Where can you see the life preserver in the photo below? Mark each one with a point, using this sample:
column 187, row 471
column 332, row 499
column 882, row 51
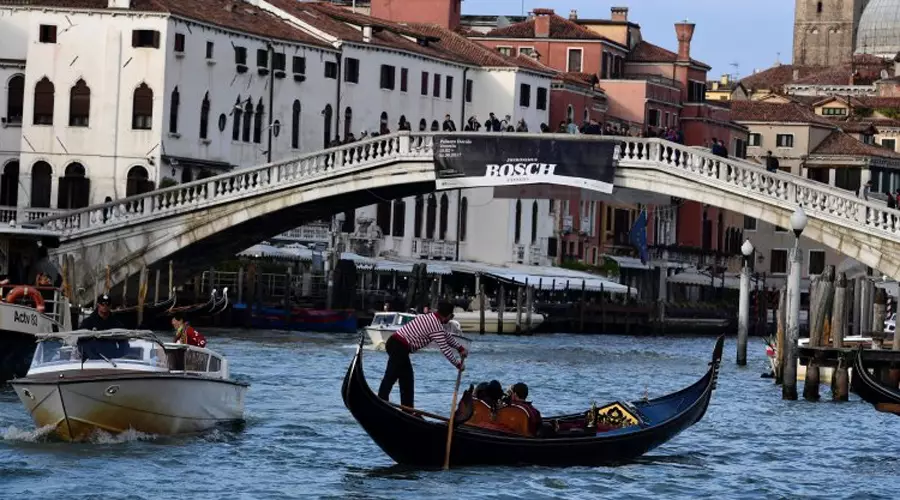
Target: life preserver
column 22, row 291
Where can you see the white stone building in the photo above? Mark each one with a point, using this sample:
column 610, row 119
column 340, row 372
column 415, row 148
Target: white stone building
column 113, row 97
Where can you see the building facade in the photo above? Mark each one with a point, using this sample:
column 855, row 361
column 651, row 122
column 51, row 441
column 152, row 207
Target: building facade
column 825, row 31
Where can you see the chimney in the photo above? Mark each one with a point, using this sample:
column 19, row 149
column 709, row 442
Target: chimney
column 619, row 14
column 367, row 33
column 897, row 65
column 724, row 79
column 573, row 15
column 685, row 32
column 118, row 4
column 542, row 22
column 795, row 75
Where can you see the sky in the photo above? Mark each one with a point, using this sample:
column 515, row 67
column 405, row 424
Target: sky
column 754, row 34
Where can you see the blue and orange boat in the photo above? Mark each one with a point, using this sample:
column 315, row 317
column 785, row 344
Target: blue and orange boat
column 302, row 319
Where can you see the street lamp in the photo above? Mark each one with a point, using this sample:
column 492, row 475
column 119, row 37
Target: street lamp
column 744, row 304
column 789, row 359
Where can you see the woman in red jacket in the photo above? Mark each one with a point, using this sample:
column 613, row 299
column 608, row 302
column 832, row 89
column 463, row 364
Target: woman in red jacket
column 185, row 334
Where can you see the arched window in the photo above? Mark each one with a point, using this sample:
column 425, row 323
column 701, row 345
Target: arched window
column 349, row 225
column 247, row 126
column 418, row 216
column 43, row 102
column 383, row 216
column 463, row 218
column 204, row 117
column 142, row 108
column 430, row 215
column 398, row 228
column 258, row 122
column 295, row 125
column 138, row 181
column 174, row 106
column 518, row 221
column 534, row 222
column 383, row 123
column 74, row 188
column 348, row 122
column 41, row 182
column 9, row 184
column 819, row 8
column 587, row 115
column 238, row 112
column 570, row 113
column 326, row 118
column 187, row 175
column 15, row 99
column 435, row 126
column 79, row 105
column 445, row 215
column 423, row 125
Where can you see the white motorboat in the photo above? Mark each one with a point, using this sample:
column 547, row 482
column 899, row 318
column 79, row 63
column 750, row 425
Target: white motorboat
column 384, row 324
column 825, row 372
column 84, row 381
column 470, row 321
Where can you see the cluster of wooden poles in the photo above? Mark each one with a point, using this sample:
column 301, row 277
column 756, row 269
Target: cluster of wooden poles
column 524, row 298
column 829, row 310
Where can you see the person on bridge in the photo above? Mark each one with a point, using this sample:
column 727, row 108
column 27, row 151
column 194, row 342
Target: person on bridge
column 101, row 318
column 415, row 335
column 771, row 163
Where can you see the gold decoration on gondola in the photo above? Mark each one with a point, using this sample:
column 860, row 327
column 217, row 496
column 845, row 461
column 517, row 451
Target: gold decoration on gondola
column 616, row 415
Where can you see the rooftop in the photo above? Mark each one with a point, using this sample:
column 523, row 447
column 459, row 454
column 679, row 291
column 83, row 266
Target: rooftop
column 648, row 52
column 756, row 111
column 840, row 143
column 560, row 29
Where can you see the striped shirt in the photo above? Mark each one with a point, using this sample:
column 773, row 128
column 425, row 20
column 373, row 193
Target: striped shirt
column 425, row 329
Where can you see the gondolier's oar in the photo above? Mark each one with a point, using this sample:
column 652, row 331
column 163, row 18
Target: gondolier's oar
column 452, row 417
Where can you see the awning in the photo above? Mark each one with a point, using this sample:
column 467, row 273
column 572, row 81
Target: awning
column 181, row 161
column 544, row 278
column 301, row 253
column 627, row 262
column 732, row 281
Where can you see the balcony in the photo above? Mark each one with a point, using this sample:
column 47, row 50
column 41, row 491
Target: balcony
column 433, row 250
column 535, row 255
column 661, row 80
column 9, row 214
column 518, row 254
column 311, row 233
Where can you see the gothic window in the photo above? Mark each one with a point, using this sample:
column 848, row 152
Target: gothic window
column 348, row 121
column 295, row 125
column 79, row 105
column 175, row 104
column 435, row 126
column 74, row 188
column 142, row 108
column 430, row 215
column 445, row 209
column 418, row 216
column 423, row 125
column 258, row 122
column 326, row 118
column 15, row 99
column 819, row 8
column 534, row 222
column 9, row 184
column 41, row 181
column 238, row 112
column 204, row 117
column 138, row 181
column 248, row 120
column 398, row 228
column 43, row 102
column 463, row 218
column 518, row 220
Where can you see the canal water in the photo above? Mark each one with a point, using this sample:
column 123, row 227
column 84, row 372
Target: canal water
column 300, row 442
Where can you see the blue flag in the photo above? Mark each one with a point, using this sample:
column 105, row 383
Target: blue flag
column 638, row 236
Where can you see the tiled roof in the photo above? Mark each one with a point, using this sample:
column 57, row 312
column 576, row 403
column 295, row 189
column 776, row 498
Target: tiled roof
column 855, row 127
column 840, row 143
column 756, row 111
column 560, row 28
column 777, row 77
column 648, row 52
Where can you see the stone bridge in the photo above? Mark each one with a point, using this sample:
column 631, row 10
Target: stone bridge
column 201, row 221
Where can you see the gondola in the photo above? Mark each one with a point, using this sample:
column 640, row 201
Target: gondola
column 194, row 308
column 128, row 315
column 413, row 441
column 221, row 304
column 867, row 387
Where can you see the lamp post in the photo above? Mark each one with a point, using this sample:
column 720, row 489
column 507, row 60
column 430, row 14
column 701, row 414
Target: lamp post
column 744, row 304
column 789, row 358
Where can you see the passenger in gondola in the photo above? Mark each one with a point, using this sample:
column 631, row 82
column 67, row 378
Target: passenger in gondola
column 518, row 396
column 490, row 392
column 185, row 333
column 411, row 337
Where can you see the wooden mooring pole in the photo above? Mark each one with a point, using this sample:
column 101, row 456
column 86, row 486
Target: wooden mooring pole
column 156, row 286
column 501, row 305
column 171, row 279
column 484, row 305
column 840, row 381
column 582, row 305
column 529, row 305
column 520, row 298
column 819, row 312
column 780, row 327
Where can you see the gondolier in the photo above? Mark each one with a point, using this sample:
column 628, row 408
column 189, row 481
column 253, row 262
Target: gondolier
column 411, row 337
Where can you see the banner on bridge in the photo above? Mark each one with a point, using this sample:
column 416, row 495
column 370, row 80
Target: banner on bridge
column 507, row 160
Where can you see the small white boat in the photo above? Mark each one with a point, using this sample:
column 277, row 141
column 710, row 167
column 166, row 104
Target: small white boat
column 470, row 321
column 83, row 381
column 384, row 324
column 825, row 373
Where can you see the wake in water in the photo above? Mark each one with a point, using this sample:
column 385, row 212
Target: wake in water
column 13, row 433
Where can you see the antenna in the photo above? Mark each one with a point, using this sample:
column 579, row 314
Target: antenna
column 736, row 65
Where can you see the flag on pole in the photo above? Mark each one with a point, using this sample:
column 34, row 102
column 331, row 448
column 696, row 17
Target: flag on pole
column 638, row 236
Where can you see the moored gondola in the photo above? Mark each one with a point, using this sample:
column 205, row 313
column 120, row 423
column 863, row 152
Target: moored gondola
column 129, row 315
column 867, row 387
column 411, row 440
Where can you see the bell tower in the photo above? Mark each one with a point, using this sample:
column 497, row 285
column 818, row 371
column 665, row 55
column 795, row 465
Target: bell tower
column 825, row 31
column 445, row 13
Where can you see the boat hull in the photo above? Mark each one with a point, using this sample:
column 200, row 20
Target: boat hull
column 470, row 321
column 378, row 336
column 18, row 327
column 304, row 320
column 76, row 406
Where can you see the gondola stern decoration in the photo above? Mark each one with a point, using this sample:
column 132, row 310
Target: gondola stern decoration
column 716, row 362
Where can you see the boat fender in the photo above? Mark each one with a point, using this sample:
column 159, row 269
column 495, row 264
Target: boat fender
column 23, row 291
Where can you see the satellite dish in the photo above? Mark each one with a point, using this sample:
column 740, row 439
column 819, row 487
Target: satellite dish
column 884, row 74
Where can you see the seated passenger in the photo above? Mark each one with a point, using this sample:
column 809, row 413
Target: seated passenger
column 491, row 393
column 185, row 333
column 518, row 396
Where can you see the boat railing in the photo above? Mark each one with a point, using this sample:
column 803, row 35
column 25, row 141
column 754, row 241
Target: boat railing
column 56, row 306
column 197, row 360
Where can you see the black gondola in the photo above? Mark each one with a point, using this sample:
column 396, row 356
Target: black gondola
column 128, row 315
column 867, row 387
column 410, row 440
column 207, row 306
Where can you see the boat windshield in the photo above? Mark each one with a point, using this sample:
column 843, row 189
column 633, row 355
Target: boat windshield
column 384, row 319
column 405, row 318
column 130, row 351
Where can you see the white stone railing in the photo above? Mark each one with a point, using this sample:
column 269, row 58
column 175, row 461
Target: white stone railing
column 241, row 184
column 739, row 176
column 780, row 188
column 9, row 214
